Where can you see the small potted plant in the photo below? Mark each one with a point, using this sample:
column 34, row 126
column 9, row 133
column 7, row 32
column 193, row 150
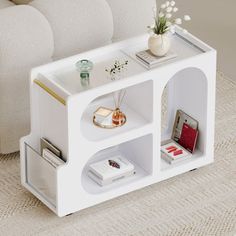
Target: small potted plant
column 159, row 42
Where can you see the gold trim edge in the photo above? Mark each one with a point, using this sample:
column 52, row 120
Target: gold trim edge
column 50, row 91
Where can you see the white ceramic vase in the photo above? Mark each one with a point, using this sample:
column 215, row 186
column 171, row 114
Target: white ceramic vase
column 159, row 44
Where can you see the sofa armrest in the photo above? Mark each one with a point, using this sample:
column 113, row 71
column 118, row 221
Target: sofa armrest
column 131, row 17
column 77, row 25
column 6, row 3
column 26, row 39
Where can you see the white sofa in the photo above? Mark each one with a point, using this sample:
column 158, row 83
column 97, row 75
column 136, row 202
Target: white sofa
column 46, row 30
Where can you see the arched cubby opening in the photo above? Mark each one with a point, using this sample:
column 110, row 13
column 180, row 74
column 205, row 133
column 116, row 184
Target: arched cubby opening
column 134, row 151
column 137, row 105
column 187, row 91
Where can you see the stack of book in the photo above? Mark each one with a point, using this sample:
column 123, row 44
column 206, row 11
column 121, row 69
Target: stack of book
column 183, row 141
column 110, row 170
column 149, row 60
column 173, row 153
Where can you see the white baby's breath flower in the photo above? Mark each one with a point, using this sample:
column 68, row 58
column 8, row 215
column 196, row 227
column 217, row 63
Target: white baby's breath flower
column 185, row 31
column 178, row 21
column 164, row 19
column 187, row 18
column 175, row 9
column 163, row 6
column 169, row 9
column 168, row 16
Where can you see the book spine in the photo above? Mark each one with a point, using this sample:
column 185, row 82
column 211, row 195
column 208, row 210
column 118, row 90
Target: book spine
column 52, row 158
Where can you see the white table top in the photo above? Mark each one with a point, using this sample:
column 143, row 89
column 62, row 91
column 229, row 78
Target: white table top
column 64, row 74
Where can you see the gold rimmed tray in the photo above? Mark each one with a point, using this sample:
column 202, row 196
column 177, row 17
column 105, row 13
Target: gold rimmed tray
column 108, row 126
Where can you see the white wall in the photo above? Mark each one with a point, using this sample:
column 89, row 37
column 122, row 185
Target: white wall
column 214, row 21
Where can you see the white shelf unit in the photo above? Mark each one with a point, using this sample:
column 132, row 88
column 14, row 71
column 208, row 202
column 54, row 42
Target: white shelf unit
column 134, row 151
column 61, row 110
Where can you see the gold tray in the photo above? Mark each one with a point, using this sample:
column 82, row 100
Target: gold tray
column 108, row 126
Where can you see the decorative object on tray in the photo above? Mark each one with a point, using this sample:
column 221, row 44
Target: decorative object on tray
column 118, row 118
column 115, row 72
column 84, row 67
column 159, row 42
column 105, row 117
column 110, row 170
column 183, row 141
column 149, row 60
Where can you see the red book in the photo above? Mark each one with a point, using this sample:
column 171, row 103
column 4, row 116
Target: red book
column 188, row 138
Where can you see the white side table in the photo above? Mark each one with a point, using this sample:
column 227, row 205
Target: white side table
column 62, row 110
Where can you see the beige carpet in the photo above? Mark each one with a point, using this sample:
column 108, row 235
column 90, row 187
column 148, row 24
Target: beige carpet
column 202, row 202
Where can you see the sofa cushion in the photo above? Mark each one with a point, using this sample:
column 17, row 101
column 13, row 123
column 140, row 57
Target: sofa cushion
column 131, row 17
column 77, row 25
column 5, row 3
column 21, row 1
column 26, row 38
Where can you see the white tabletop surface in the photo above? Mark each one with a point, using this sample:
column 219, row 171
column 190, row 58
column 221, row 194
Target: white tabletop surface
column 68, row 77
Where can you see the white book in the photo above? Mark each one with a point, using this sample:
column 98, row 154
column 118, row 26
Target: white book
column 109, row 181
column 110, row 170
column 150, row 60
column 52, row 158
column 171, row 161
column 168, row 155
